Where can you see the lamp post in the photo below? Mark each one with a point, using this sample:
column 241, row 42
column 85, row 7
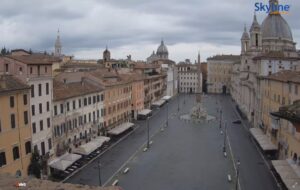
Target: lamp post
column 167, row 119
column 148, row 138
column 220, row 118
column 225, row 136
column 178, row 104
column 99, row 169
column 237, row 174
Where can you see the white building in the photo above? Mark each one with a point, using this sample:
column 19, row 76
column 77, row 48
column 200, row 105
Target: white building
column 268, row 49
column 77, row 111
column 190, row 77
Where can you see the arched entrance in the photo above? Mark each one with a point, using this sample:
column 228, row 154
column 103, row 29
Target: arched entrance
column 224, row 89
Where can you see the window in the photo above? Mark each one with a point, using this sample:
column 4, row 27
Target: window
column 48, row 106
column 30, row 70
column 33, row 128
column 28, row 147
column 98, row 98
column 55, row 110
column 41, row 108
column 16, row 154
column 25, row 99
column 12, row 101
column 61, row 108
column 94, row 99
column 25, row 117
column 32, row 91
column 12, row 121
column 41, row 125
column 6, row 67
column 33, row 110
column 90, row 100
column 102, row 97
column 90, row 117
column 40, row 89
column 46, row 69
column 74, row 105
column 79, row 103
column 68, row 106
column 48, row 122
column 2, row 159
column 47, row 87
column 49, row 144
column 85, row 101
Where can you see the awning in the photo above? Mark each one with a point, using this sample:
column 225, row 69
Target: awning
column 100, row 140
column 158, row 103
column 120, row 129
column 262, row 139
column 166, row 98
column 87, row 148
column 91, row 146
column 144, row 112
column 64, row 161
column 287, row 173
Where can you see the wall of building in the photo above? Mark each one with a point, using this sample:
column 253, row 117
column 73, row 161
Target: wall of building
column 117, row 104
column 137, row 97
column 17, row 137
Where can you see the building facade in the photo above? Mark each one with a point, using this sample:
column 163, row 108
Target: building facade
column 35, row 70
column 278, row 90
column 15, row 130
column 219, row 69
column 267, row 48
column 78, row 111
column 190, row 77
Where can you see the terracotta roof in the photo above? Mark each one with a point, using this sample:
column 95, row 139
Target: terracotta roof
column 66, row 90
column 35, row 59
column 285, row 76
column 8, row 182
column 225, row 57
column 9, row 83
column 107, row 77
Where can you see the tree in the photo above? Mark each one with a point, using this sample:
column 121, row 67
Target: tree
column 4, row 51
column 35, row 165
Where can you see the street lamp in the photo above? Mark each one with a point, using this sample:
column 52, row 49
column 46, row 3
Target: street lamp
column 225, row 135
column 148, row 138
column 178, row 104
column 220, row 118
column 99, row 169
column 237, row 174
column 167, row 122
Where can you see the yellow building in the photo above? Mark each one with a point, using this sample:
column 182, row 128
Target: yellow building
column 15, row 130
column 278, row 90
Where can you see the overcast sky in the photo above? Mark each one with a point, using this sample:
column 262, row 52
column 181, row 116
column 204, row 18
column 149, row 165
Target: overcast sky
column 133, row 27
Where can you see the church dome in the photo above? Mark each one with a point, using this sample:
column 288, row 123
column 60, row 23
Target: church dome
column 162, row 48
column 276, row 27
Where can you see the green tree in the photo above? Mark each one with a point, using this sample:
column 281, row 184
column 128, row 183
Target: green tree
column 35, row 165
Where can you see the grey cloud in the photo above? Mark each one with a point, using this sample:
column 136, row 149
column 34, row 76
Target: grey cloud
column 93, row 24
